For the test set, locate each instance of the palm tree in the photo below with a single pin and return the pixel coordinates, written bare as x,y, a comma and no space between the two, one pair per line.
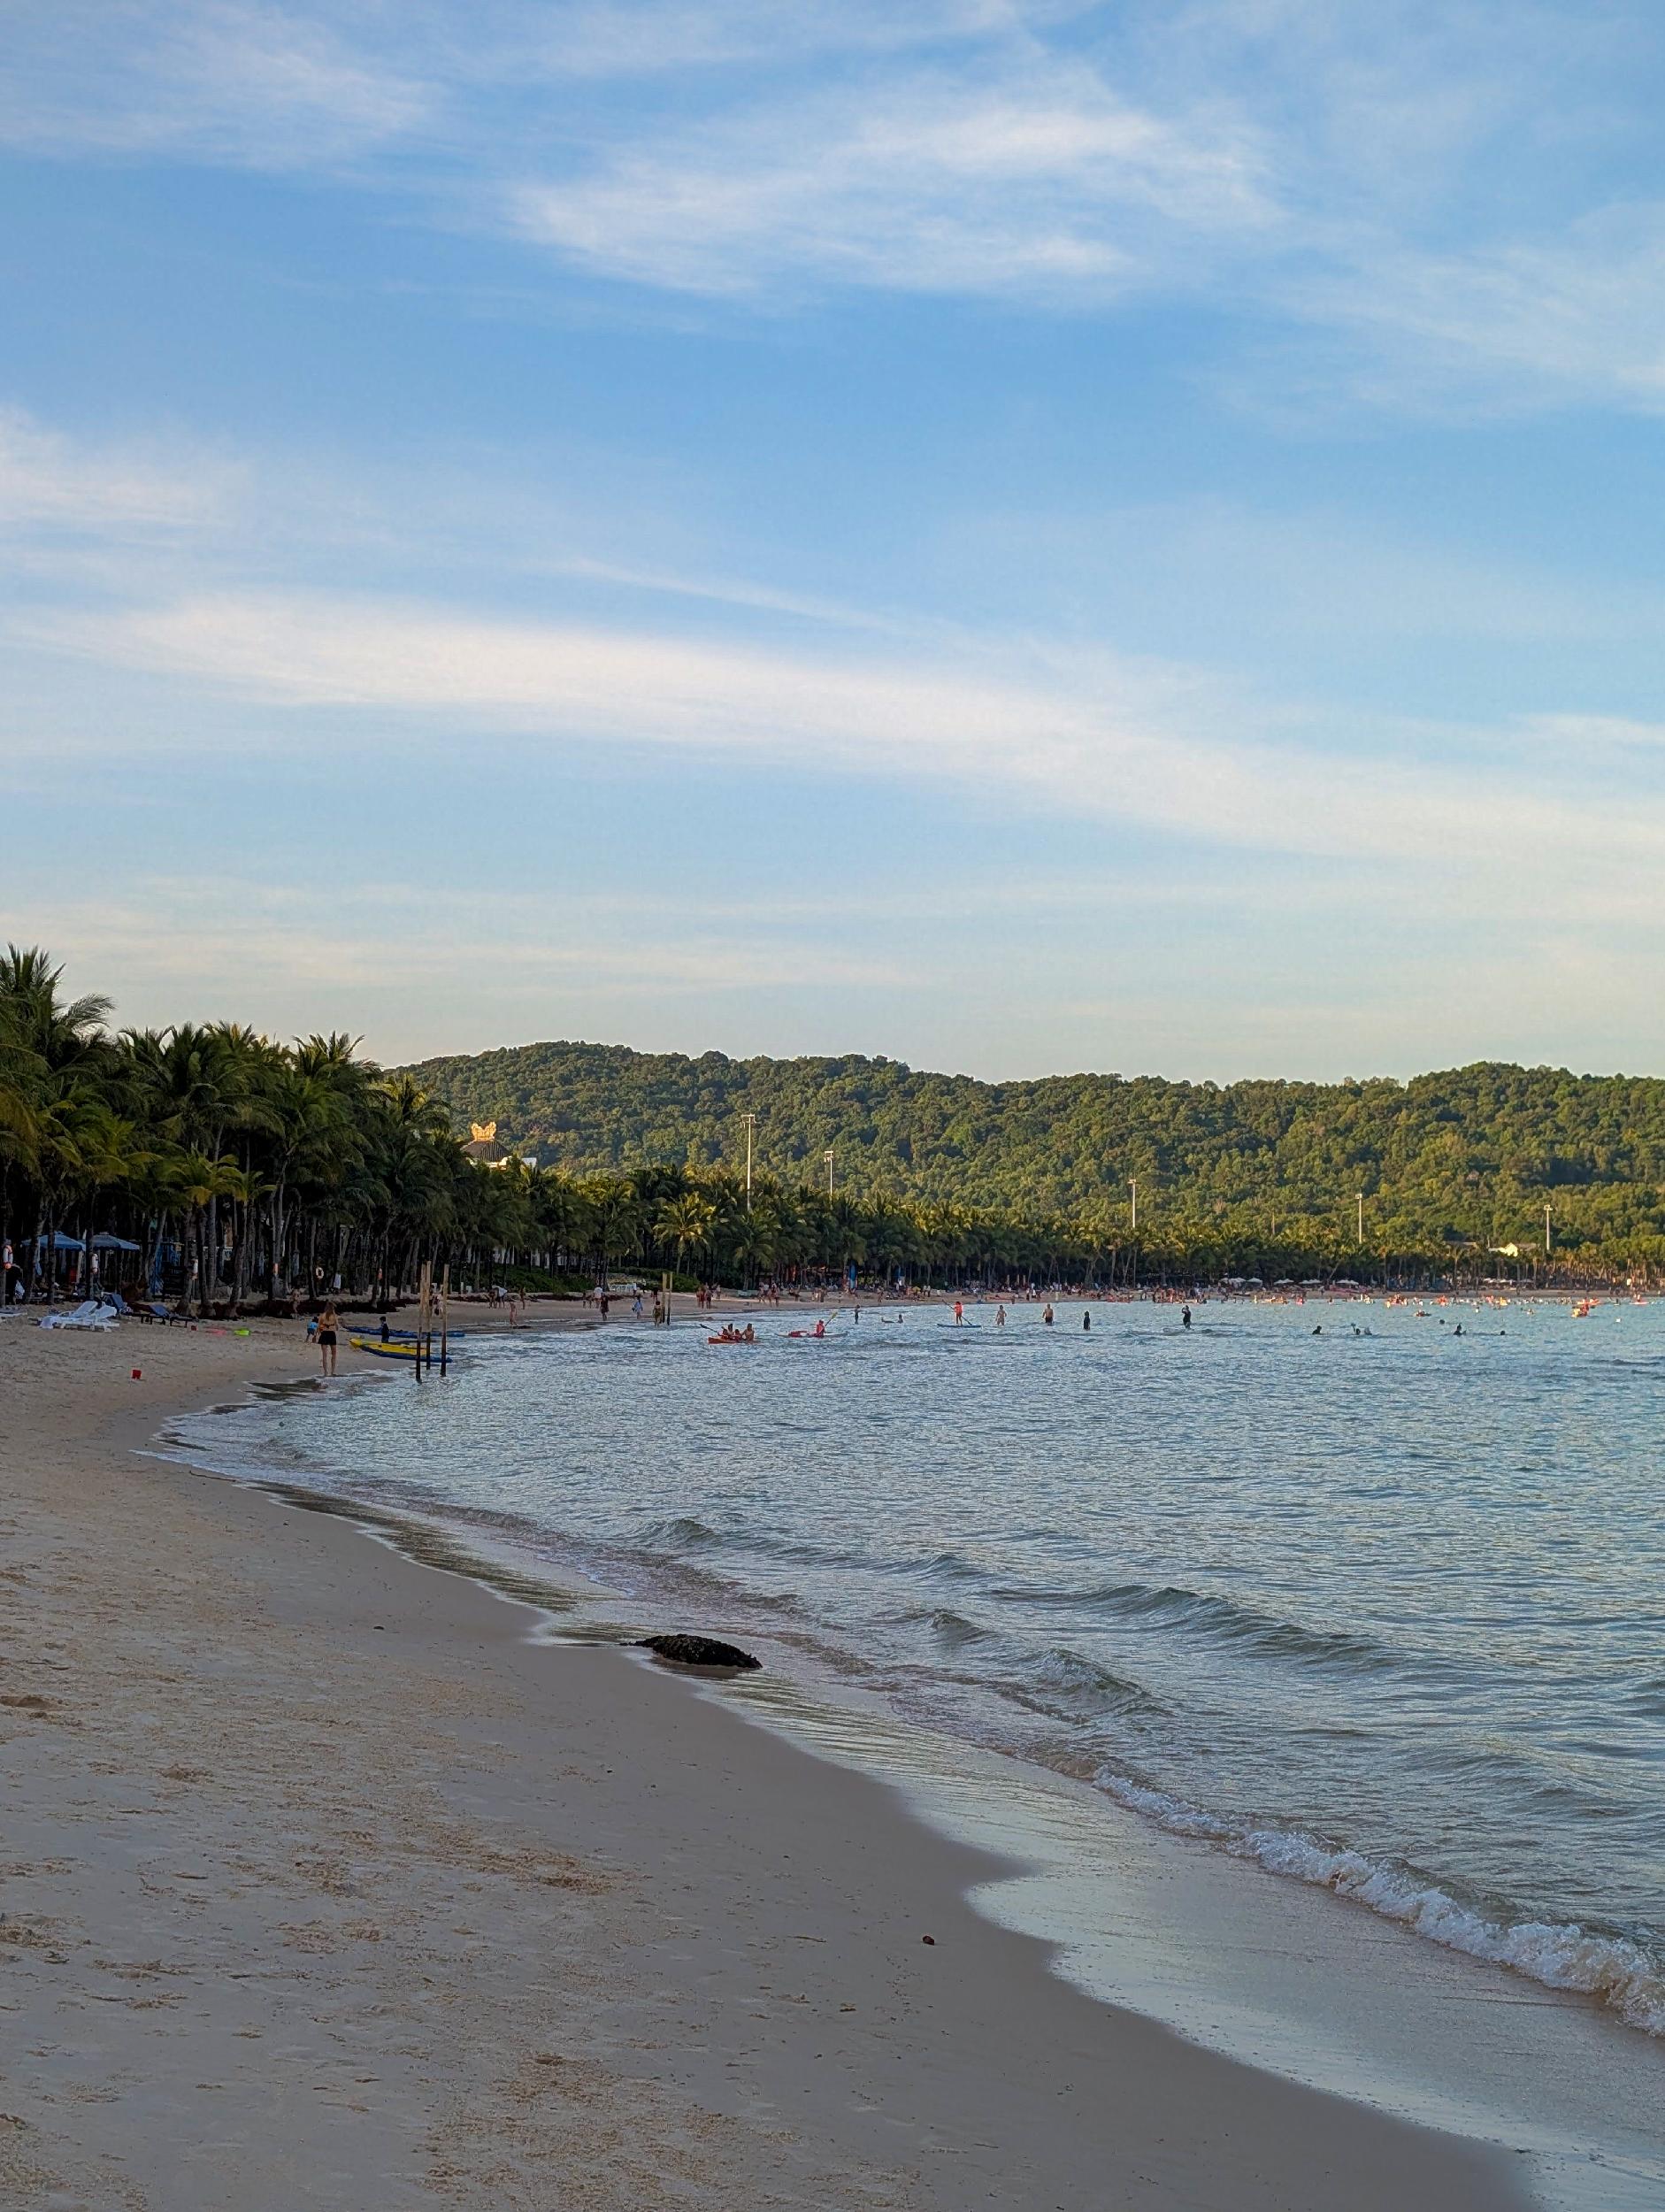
687,1223
311,1130
64,1036
752,1244
617,1215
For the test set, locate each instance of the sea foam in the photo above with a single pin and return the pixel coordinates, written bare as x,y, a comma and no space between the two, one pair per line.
1561,1955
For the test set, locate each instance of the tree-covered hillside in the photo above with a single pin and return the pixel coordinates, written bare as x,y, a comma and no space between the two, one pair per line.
1472,1154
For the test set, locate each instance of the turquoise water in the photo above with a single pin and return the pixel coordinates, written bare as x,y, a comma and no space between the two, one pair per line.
1385,1611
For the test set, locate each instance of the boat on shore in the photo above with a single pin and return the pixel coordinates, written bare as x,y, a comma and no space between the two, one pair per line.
398,1346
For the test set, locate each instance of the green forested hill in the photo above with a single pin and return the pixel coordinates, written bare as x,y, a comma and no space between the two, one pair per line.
1473,1154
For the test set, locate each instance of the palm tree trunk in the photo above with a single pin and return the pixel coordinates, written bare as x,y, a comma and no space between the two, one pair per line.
276,1240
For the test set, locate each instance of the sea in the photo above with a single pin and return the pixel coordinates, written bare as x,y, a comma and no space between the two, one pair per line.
1369,1595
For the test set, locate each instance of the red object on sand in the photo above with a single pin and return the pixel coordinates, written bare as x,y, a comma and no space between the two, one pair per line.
137,1373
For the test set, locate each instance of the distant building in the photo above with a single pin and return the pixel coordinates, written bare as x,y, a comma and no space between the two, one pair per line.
482,1144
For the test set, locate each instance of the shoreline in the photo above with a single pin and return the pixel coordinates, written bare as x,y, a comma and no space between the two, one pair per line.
1365,2013
935,2092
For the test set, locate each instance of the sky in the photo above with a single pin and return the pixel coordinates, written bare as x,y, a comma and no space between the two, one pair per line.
1021,538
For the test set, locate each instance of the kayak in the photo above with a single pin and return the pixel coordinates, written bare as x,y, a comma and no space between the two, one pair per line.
395,1348
823,1332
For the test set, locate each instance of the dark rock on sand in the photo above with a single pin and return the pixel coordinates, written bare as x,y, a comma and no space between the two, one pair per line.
699,1651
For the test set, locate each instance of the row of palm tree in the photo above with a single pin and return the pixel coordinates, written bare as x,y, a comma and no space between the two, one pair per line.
242,1168
237,1170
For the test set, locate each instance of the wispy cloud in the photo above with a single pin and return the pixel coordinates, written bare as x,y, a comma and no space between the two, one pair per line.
1121,743
302,957
1036,180
1395,205
706,667
1574,314
50,484
625,39
235,82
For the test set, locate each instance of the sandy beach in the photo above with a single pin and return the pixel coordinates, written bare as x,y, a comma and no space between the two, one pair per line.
324,1886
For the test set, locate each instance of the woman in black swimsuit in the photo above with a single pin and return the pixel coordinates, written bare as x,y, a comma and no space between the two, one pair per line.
329,1321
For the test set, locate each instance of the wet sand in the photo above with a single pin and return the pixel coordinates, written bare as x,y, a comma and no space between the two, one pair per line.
323,1885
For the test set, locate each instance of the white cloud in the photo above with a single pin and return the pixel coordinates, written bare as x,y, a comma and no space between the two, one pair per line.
1577,314
1401,206
1037,179
54,484
793,682
1121,743
236,81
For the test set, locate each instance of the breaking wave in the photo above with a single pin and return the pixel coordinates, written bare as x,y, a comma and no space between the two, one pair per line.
1071,1687
1561,1955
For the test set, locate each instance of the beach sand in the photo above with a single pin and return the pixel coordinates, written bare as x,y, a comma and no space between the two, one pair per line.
322,1885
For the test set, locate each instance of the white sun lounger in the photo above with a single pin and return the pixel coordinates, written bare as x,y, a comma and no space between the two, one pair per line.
90,1314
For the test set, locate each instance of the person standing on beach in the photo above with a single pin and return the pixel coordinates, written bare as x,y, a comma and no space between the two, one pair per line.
328,1322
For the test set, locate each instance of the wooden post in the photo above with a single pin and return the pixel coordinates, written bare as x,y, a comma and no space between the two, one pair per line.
445,1294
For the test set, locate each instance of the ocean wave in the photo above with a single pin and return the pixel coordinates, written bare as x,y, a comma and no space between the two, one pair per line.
684,1532
1070,1686
949,1627
1169,1605
1648,1698
1613,1969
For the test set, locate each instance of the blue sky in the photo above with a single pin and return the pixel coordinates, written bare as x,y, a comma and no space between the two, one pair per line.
1017,537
